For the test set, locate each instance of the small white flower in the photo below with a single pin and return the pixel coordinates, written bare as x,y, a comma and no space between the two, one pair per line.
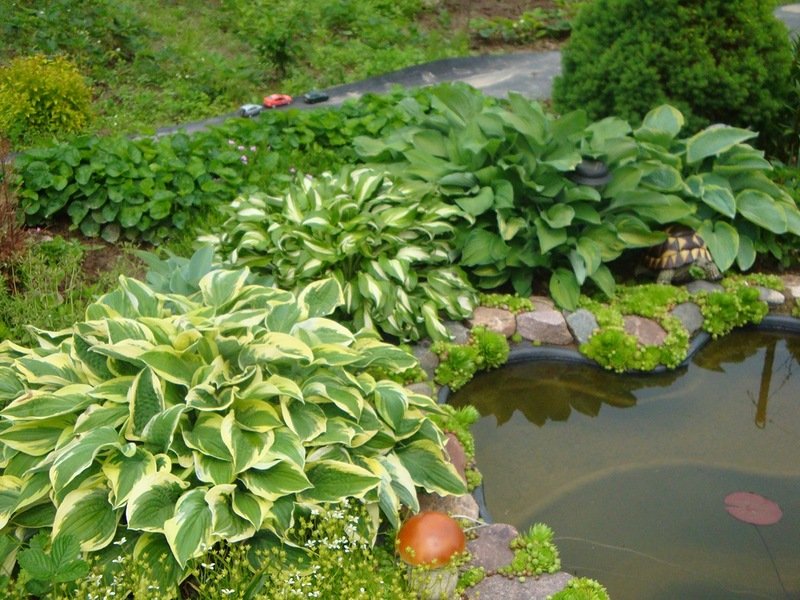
120,541
227,591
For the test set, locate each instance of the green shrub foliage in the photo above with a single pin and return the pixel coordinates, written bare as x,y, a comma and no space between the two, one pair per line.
165,423
718,61
42,96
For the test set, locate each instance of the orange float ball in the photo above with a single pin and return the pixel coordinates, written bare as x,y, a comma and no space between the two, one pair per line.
430,538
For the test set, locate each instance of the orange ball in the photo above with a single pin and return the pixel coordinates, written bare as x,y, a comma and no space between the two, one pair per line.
430,538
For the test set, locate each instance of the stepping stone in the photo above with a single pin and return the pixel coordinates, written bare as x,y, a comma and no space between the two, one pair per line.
494,319
546,326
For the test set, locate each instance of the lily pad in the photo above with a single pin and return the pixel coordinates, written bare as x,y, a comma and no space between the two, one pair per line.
753,508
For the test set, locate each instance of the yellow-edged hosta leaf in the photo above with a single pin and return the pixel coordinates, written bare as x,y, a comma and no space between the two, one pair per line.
120,330
77,456
318,330
425,463
219,287
10,385
391,402
152,501
276,347
206,397
188,532
160,430
36,406
334,480
142,298
281,479
213,470
124,472
402,482
54,369
114,390
334,355
246,447
250,506
145,399
127,351
387,497
37,438
305,419
225,521
206,438
10,490
171,365
35,488
110,414
87,515
256,415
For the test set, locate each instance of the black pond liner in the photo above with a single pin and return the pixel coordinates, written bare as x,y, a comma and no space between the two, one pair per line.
522,354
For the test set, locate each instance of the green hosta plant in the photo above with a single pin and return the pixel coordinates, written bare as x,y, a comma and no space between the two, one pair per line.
388,245
164,423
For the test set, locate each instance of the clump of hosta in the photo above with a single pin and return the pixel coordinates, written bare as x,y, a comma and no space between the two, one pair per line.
390,247
164,423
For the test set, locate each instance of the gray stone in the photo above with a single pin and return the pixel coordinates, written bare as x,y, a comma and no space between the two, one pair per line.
456,506
458,331
425,388
494,319
458,458
582,323
647,331
688,313
546,326
427,359
542,303
490,549
497,587
791,285
703,286
770,296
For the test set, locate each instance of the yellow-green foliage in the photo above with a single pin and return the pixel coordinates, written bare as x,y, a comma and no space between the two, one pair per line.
42,96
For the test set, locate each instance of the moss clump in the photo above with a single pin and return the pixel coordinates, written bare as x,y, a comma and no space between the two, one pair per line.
581,588
534,553
459,362
510,302
611,348
730,63
722,311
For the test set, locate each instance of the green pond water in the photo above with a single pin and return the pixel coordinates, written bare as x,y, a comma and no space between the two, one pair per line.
631,472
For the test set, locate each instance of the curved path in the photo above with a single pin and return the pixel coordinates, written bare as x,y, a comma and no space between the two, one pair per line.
528,73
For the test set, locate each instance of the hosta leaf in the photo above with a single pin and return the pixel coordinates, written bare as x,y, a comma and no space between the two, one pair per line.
124,472
402,482
114,390
661,125
276,347
86,515
246,447
759,208
146,400
316,331
334,355
604,280
387,498
548,237
715,140
371,289
108,415
250,506
188,533
720,198
281,479
320,298
141,297
74,458
225,521
38,406
207,397
391,402
160,429
333,481
483,247
171,365
205,436
425,462
746,256
477,204
213,470
37,438
10,490
306,420
723,242
10,385
564,288
380,354
221,286
558,216
152,501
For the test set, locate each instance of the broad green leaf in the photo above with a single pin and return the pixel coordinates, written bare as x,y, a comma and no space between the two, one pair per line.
10,490
746,256
219,287
720,199
35,405
759,208
212,470
483,247
250,506
722,240
715,140
152,501
635,233
320,298
564,288
578,266
188,533
548,237
171,365
75,457
661,124
306,420
205,436
146,400
604,280
37,438
87,515
124,472
225,521
10,385
425,462
246,447
477,204
281,479
160,429
558,216
109,414
333,481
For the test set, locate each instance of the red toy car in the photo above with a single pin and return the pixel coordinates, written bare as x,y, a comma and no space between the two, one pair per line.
275,100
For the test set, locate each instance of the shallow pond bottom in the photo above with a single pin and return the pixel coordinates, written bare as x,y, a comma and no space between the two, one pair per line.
632,472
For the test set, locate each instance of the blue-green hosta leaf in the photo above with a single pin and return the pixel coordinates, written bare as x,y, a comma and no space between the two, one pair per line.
206,438
10,491
281,479
145,399
333,481
219,287
604,280
153,551
316,331
661,125
152,501
792,216
564,288
189,532
39,437
635,233
305,419
548,237
225,521
747,253
759,208
77,456
124,472
740,158
86,515
425,462
109,414
715,140
483,247
720,198
722,240
661,177
320,298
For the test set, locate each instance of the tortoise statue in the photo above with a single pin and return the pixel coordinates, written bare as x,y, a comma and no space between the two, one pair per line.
681,256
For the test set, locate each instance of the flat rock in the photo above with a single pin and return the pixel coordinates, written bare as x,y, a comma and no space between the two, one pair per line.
542,303
647,331
490,549
424,387
497,587
770,296
582,323
688,313
701,285
458,331
456,506
428,361
547,326
494,319
791,285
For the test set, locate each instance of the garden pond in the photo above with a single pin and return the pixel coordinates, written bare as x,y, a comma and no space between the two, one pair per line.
635,472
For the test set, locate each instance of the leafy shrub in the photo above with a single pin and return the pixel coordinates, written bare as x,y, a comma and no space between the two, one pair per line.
165,423
42,97
387,245
511,167
718,61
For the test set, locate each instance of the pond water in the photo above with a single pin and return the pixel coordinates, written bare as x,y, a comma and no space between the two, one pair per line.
632,472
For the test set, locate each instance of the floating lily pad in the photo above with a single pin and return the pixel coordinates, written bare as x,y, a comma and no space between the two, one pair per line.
753,508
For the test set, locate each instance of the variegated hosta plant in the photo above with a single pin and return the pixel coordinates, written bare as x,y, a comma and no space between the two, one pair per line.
178,421
389,246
